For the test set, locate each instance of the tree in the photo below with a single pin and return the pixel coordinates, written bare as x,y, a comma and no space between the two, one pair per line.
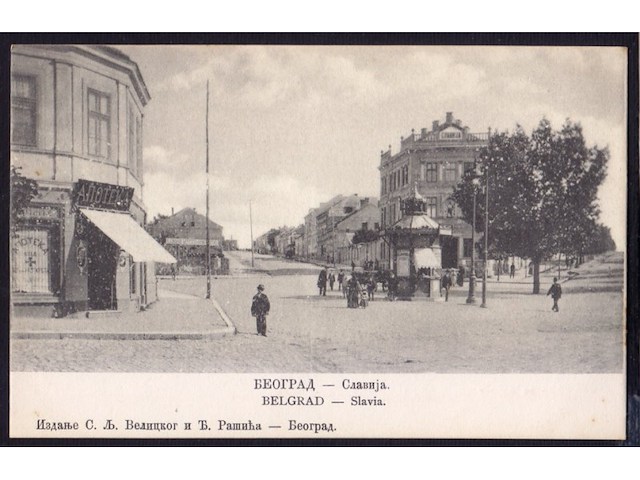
542,192
23,190
364,236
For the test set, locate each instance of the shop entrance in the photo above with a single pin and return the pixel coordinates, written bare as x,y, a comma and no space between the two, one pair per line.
101,270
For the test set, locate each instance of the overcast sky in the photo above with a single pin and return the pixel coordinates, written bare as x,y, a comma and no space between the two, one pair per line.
292,126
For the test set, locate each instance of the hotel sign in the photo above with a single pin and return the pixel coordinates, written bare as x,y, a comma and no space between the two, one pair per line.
102,195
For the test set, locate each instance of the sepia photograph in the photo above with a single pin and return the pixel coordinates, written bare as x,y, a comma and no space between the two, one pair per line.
331,230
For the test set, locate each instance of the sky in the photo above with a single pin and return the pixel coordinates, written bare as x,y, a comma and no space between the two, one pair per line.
293,126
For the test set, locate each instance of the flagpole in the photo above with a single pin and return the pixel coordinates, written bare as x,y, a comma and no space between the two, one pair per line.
208,247
251,230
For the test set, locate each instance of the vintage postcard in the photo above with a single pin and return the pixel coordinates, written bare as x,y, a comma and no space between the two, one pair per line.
318,241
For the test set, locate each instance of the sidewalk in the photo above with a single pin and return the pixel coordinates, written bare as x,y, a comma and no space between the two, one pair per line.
175,316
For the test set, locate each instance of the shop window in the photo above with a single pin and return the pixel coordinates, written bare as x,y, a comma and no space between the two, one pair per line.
432,206
133,270
99,124
35,261
23,110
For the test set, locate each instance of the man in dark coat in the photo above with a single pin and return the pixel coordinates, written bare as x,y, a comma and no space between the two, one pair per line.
322,282
260,309
446,284
556,292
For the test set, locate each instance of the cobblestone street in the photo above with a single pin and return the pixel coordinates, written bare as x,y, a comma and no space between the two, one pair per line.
308,333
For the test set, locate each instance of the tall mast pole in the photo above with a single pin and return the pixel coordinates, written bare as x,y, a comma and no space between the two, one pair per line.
486,237
207,223
251,229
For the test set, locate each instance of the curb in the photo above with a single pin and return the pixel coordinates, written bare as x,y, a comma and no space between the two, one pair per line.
224,316
218,333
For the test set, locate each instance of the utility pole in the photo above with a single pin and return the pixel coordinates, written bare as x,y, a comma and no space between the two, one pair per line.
251,229
207,222
486,237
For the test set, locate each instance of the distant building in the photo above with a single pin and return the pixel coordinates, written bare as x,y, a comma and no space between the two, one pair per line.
329,217
76,129
435,161
184,235
364,253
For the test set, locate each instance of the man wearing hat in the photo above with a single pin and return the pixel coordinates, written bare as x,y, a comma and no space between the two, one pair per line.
260,309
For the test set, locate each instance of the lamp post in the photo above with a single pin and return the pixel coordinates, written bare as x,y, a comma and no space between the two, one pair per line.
486,237
472,276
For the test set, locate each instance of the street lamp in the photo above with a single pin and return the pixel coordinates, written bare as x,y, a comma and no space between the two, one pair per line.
472,276
486,237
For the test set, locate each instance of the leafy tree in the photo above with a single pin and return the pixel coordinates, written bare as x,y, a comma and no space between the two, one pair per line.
364,236
542,192
23,190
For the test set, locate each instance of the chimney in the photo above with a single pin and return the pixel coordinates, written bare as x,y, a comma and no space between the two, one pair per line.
423,132
171,211
449,117
436,124
458,123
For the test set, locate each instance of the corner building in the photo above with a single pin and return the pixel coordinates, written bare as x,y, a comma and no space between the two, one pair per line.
434,161
76,129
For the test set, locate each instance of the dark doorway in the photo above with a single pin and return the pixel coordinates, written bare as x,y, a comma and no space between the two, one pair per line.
101,270
449,252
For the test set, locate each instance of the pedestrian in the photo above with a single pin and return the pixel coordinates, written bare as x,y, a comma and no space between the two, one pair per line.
353,265
173,271
556,292
461,276
260,307
512,271
354,290
322,282
371,287
446,284
332,280
340,279
392,287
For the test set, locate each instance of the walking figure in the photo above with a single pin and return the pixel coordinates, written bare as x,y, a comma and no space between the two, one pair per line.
332,280
556,292
446,285
512,271
340,279
260,309
354,290
371,287
322,282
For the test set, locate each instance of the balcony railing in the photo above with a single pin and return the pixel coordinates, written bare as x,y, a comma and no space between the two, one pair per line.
481,137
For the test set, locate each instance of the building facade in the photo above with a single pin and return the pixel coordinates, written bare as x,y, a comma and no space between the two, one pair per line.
363,253
435,161
184,235
76,129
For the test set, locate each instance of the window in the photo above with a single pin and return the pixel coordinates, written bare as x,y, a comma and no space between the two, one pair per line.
376,226
133,151
99,124
365,226
23,110
405,174
450,170
431,172
432,209
139,147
